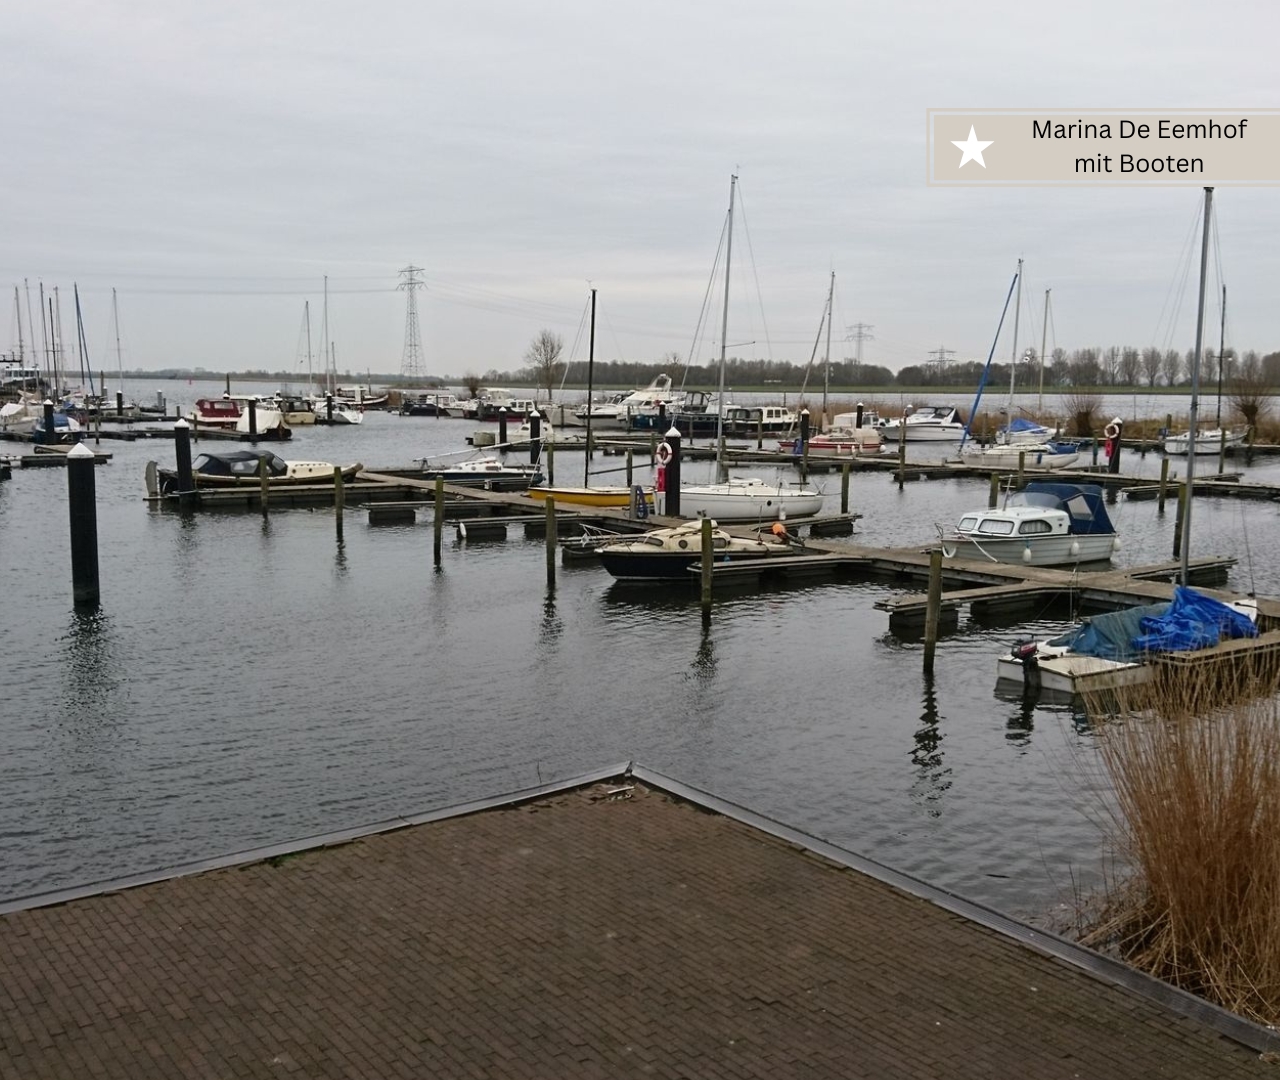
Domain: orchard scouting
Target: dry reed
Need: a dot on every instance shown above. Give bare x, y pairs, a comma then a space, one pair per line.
1196, 818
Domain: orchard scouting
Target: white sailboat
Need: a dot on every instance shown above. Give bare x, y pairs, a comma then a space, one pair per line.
747, 498
332, 409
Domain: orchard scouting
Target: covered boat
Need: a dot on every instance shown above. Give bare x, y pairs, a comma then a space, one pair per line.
237, 468
1046, 524
670, 554
1112, 651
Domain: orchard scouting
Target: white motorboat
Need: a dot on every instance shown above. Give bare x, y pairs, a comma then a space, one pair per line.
617, 413
1045, 524
671, 554
340, 412
838, 442
1017, 455
1113, 651
1207, 442
932, 423
231, 413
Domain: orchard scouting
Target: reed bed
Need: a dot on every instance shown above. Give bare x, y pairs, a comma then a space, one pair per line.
1195, 818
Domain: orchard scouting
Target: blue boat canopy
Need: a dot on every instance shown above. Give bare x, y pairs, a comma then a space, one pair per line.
1083, 502
1022, 424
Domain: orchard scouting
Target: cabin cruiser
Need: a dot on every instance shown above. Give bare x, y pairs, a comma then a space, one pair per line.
242, 468
488, 472
933, 423
617, 413
837, 442
1046, 524
336, 410
670, 554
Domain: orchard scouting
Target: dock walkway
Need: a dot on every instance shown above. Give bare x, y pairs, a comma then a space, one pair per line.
620, 926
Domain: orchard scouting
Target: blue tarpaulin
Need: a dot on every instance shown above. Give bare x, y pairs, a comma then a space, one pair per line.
1190, 621
1193, 621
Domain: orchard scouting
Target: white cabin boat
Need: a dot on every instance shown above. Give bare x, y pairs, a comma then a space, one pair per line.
749, 499
1046, 524
933, 423
1207, 442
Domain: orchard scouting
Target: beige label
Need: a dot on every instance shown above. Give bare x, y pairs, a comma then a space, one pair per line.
1118, 147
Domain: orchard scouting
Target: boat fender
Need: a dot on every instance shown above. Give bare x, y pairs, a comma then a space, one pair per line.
1075, 549
1026, 553
663, 453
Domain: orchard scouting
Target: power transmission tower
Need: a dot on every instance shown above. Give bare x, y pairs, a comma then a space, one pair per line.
860, 332
941, 355
411, 365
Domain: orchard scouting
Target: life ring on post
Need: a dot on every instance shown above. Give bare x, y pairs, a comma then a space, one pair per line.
663, 454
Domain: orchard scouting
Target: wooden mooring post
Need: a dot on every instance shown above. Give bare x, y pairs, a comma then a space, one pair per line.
933, 609
993, 496
551, 540
264, 484
844, 486
438, 530
1178, 519
902, 453
1164, 483
339, 496
708, 561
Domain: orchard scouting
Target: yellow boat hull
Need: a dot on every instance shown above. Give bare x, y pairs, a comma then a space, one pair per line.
617, 497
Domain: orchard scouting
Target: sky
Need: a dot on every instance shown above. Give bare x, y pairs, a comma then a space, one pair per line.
213, 163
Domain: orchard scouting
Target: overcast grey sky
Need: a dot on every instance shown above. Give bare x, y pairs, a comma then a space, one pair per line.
213, 161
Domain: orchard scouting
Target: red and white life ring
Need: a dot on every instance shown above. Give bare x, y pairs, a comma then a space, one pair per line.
663, 453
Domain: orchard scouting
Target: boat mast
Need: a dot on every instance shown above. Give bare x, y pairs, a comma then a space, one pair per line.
1013, 362
115, 319
82, 346
721, 474
826, 363
50, 377
591, 371
1222, 356
1044, 338
306, 315
31, 324
324, 332
1195, 389
59, 349
17, 307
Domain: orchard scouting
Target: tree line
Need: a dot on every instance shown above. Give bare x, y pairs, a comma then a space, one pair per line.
1117, 366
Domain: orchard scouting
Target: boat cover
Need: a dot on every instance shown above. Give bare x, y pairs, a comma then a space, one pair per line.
1083, 502
1193, 621
1190, 621
1021, 424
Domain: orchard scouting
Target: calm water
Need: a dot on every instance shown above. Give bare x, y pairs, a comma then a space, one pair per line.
248, 681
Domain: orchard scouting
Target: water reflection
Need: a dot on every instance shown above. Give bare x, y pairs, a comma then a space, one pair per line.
340, 554
704, 660
933, 776
552, 624
91, 687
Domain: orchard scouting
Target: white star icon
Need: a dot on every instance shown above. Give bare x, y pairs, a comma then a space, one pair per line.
972, 147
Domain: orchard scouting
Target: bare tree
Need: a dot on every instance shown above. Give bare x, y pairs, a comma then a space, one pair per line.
543, 357
1172, 365
471, 381
1151, 359
1130, 365
1111, 365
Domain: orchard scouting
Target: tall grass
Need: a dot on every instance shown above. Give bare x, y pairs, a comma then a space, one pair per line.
1196, 819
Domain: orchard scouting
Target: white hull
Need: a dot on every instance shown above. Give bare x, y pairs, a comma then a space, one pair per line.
1207, 442
739, 500
923, 432
1065, 550
1007, 457
1071, 676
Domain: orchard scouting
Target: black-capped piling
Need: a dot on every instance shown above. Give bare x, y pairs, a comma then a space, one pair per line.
83, 503
502, 426
535, 436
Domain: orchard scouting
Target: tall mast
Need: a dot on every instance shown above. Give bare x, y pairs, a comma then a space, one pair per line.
306, 314
1195, 389
826, 361
1044, 337
1013, 362
44, 340
59, 350
115, 321
724, 330
31, 324
17, 307
1222, 355
324, 334
591, 370
82, 346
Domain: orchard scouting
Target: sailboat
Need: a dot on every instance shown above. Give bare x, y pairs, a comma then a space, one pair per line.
747, 498
1215, 438
332, 409
1113, 650
1020, 442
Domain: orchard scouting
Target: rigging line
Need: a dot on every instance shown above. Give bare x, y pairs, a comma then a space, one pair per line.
700, 325
768, 345
1171, 306
1248, 554
612, 333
